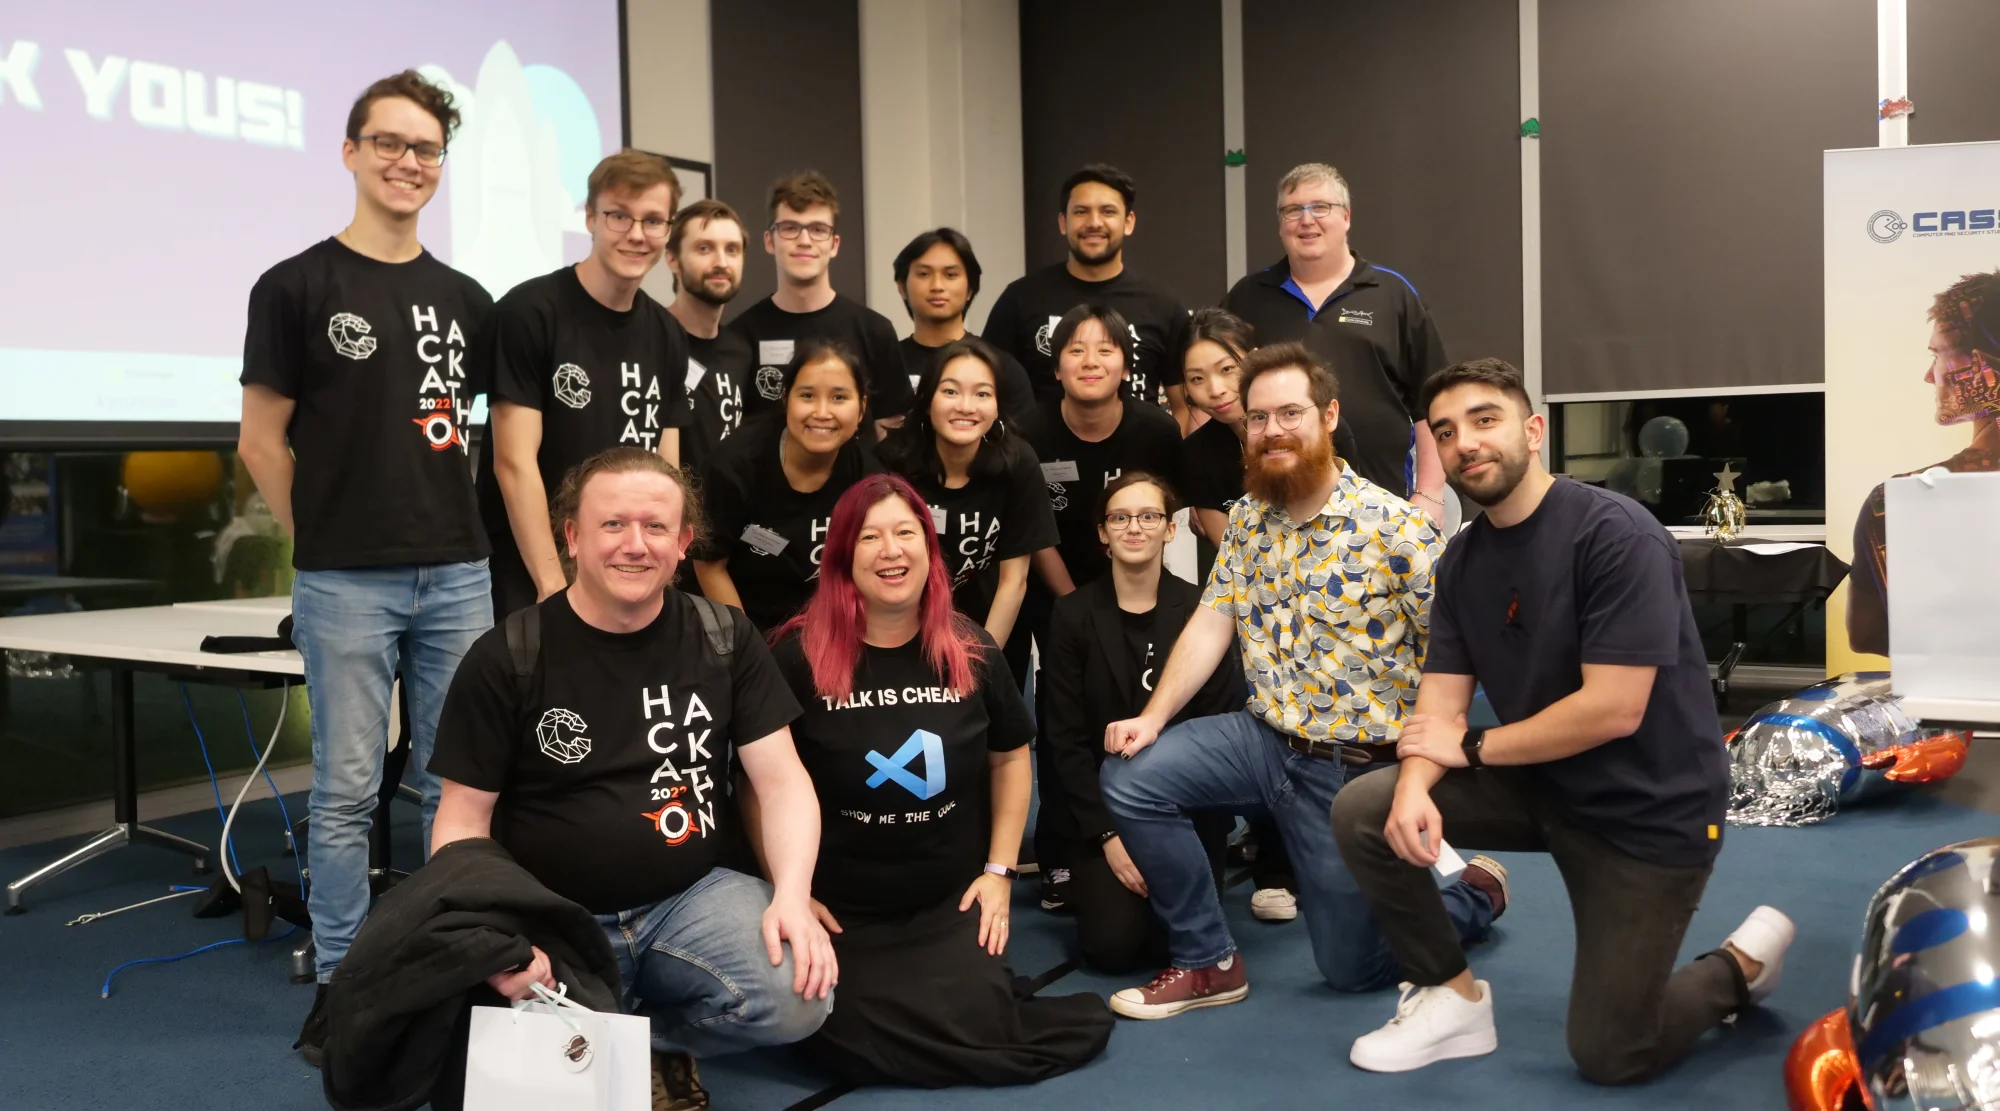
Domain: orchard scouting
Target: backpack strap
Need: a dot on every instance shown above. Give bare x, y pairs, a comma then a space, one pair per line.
524, 646
718, 622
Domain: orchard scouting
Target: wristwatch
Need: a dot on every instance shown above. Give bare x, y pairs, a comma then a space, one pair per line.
1002, 870
1475, 739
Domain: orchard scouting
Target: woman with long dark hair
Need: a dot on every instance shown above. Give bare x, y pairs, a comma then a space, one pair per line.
770, 488
915, 735
983, 483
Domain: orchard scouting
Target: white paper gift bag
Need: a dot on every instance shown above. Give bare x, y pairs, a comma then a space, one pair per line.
549, 1052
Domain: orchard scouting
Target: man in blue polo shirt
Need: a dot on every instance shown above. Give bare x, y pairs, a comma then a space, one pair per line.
1364, 321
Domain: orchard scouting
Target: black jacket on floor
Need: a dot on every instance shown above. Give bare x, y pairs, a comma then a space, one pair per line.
399, 1004
1088, 682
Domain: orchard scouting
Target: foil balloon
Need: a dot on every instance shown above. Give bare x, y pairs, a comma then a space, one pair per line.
1925, 1008
1803, 757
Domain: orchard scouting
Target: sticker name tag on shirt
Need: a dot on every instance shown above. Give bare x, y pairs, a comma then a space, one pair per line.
775, 352
1062, 470
695, 371
939, 518
763, 541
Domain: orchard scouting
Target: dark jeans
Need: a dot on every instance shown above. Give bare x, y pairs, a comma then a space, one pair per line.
1117, 931
1631, 1013
1235, 761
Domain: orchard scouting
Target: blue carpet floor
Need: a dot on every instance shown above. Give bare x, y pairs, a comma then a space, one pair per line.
214, 1031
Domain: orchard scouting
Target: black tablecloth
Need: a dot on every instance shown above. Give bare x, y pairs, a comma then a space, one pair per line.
1725, 574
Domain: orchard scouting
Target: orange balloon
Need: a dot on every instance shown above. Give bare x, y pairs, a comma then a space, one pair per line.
1821, 1066
166, 484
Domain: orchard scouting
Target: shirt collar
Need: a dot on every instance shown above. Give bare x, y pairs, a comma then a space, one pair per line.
1343, 502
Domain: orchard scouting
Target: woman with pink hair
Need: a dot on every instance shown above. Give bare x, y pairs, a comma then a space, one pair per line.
915, 735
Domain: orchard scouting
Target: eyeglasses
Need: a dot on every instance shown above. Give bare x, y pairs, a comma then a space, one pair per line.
1318, 210
1287, 418
1149, 519
391, 148
655, 227
790, 229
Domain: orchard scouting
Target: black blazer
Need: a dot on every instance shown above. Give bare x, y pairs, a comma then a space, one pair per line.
1088, 683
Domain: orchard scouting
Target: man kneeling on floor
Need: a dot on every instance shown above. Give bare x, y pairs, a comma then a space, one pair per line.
593, 735
1327, 577
1567, 603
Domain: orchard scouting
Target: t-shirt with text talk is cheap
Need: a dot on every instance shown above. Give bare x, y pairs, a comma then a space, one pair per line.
771, 535
614, 776
774, 334
718, 372
1076, 471
1023, 324
600, 378
1591, 578
373, 355
900, 766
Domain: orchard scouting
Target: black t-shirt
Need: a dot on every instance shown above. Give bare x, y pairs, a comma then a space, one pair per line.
1017, 394
1212, 458
773, 333
900, 769
718, 372
600, 378
1023, 324
614, 778
770, 534
1378, 337
1076, 472
991, 518
1591, 578
1140, 648
374, 356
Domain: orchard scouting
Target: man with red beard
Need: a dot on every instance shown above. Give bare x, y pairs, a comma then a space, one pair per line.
1327, 577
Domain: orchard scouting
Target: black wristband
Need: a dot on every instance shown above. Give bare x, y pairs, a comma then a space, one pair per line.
1475, 739
1104, 839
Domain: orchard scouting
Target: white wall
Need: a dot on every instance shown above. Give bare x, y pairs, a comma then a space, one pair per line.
666, 43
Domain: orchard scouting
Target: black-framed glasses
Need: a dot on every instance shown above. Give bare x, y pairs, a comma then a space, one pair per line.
1287, 418
391, 148
1149, 519
1318, 210
654, 227
790, 229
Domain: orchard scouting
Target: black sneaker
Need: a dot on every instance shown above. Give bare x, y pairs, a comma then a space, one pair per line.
676, 1085
1054, 882
312, 1036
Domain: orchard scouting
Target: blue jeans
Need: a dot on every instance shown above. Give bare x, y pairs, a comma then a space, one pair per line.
1232, 761
356, 629
696, 966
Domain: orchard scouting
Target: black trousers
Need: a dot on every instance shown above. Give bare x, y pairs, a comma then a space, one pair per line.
1117, 931
1631, 1012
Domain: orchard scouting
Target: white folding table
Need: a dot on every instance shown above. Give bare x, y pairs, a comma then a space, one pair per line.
163, 639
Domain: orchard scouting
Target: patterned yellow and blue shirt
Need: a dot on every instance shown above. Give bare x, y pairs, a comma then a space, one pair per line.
1331, 614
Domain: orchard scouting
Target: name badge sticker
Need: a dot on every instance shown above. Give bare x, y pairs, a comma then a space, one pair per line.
695, 371
775, 352
939, 518
1062, 470
763, 541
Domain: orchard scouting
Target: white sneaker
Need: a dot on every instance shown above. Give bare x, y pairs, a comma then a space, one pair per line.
1431, 1024
1273, 904
1764, 937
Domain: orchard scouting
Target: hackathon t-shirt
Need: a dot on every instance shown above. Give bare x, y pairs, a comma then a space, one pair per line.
1076, 471
900, 767
600, 378
1023, 324
771, 535
993, 517
718, 371
773, 334
1591, 578
614, 774
1017, 395
374, 356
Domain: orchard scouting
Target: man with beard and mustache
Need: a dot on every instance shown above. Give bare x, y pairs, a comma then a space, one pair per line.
1566, 603
1327, 579
705, 256
1095, 214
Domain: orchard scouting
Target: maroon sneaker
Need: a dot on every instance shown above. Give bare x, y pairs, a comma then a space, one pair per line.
1184, 989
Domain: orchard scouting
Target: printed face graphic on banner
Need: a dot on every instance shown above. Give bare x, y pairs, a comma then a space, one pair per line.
572, 386
560, 733
923, 743
682, 783
437, 396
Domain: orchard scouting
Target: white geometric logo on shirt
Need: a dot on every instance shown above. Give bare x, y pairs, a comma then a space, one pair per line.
572, 386
349, 334
561, 735
1045, 335
771, 383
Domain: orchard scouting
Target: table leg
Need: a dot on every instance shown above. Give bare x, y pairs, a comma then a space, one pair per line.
124, 805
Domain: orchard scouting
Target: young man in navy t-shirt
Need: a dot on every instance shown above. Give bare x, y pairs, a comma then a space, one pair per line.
1566, 603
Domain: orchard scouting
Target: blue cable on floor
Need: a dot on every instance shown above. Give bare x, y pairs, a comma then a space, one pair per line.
243, 705
230, 847
105, 991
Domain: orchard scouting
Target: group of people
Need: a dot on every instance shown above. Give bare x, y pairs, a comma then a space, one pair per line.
792, 782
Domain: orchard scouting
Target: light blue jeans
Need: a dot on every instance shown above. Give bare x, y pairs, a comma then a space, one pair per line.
356, 630
1235, 761
696, 966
